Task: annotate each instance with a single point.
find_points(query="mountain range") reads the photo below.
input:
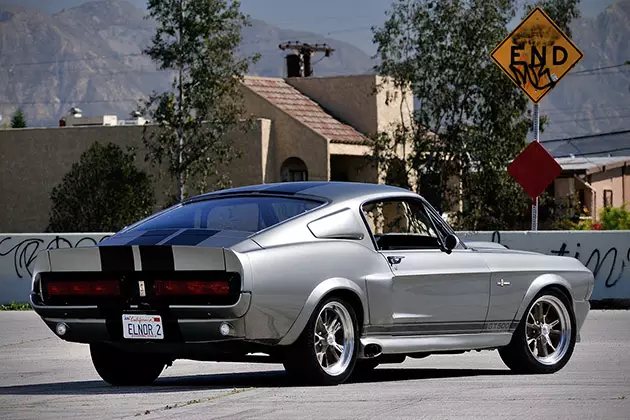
(90, 56)
(66, 53)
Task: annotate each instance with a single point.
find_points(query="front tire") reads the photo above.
(545, 338)
(120, 368)
(326, 351)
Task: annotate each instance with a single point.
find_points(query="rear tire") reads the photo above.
(545, 338)
(326, 351)
(120, 368)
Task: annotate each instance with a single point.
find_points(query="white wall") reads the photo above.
(17, 258)
(606, 253)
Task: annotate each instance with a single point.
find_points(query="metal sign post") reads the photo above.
(537, 140)
(536, 55)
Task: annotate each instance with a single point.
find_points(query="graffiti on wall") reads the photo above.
(606, 254)
(23, 250)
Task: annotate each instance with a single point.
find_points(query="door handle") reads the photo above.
(394, 259)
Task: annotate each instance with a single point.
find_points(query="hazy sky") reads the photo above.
(346, 20)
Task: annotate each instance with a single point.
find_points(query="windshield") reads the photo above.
(250, 214)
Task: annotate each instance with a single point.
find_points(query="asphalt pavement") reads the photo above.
(43, 377)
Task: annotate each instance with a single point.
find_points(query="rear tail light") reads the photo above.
(83, 288)
(182, 287)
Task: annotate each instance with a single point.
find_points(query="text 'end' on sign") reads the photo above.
(536, 55)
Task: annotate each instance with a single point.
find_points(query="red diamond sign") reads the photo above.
(534, 169)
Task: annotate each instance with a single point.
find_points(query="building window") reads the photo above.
(608, 198)
(293, 169)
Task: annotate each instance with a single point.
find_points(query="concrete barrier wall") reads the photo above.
(606, 253)
(17, 258)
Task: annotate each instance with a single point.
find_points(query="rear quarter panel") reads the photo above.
(288, 281)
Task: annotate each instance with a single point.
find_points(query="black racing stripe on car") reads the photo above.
(191, 237)
(116, 258)
(293, 188)
(157, 258)
(428, 328)
(152, 237)
(437, 328)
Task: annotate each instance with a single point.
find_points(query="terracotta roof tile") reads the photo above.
(303, 109)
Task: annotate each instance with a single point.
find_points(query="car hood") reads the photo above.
(493, 247)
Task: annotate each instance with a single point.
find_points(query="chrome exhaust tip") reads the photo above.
(61, 329)
(372, 350)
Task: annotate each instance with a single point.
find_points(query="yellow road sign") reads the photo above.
(536, 55)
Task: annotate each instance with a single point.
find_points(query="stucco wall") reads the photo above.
(289, 138)
(33, 161)
(606, 253)
(352, 100)
(608, 180)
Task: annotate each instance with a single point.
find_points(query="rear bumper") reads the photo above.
(182, 324)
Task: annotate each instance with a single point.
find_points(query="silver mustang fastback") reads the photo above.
(327, 278)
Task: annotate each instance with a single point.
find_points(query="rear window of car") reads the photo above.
(250, 214)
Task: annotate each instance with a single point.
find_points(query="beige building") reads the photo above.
(314, 128)
(598, 181)
(305, 129)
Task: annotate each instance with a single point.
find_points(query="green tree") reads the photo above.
(18, 120)
(471, 120)
(198, 39)
(102, 192)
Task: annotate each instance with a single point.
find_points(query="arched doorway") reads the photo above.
(293, 169)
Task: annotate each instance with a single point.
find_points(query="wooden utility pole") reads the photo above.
(305, 52)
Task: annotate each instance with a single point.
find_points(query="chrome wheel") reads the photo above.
(548, 330)
(334, 338)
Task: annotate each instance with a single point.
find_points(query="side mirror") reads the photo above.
(451, 241)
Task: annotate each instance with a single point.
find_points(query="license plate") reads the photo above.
(146, 327)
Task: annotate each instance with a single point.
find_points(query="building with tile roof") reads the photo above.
(315, 128)
(321, 126)
(600, 181)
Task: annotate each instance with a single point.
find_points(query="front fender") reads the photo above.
(321, 290)
(537, 285)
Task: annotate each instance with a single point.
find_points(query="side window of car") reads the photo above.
(400, 224)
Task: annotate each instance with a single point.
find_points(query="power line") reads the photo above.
(599, 68)
(588, 119)
(619, 149)
(349, 30)
(583, 108)
(590, 136)
(603, 73)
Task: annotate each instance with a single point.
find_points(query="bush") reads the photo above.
(615, 218)
(610, 218)
(16, 306)
(103, 192)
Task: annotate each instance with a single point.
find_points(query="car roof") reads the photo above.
(328, 190)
